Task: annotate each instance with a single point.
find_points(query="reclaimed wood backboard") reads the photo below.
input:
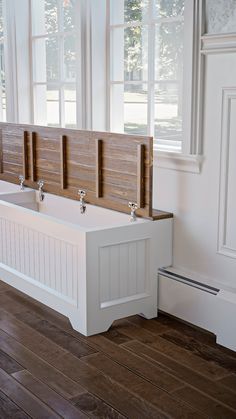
(113, 169)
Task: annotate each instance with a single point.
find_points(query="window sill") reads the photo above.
(191, 163)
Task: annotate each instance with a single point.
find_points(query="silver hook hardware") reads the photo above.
(41, 193)
(133, 207)
(82, 195)
(21, 179)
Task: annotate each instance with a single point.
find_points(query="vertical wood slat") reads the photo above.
(33, 155)
(98, 168)
(25, 155)
(1, 156)
(63, 161)
(140, 176)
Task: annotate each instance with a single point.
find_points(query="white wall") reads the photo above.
(195, 198)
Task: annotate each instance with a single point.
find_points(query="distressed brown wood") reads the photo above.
(132, 371)
(56, 402)
(161, 215)
(9, 410)
(1, 155)
(25, 155)
(63, 162)
(98, 168)
(140, 175)
(25, 400)
(104, 164)
(33, 155)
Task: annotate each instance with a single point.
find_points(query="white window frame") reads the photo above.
(61, 83)
(190, 157)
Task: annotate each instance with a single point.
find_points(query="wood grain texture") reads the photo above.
(63, 161)
(32, 155)
(140, 175)
(105, 165)
(138, 369)
(25, 155)
(98, 168)
(1, 153)
(9, 410)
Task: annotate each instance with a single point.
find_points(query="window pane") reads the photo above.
(69, 14)
(52, 58)
(129, 108)
(70, 58)
(53, 107)
(169, 8)
(1, 21)
(135, 109)
(124, 11)
(169, 51)
(51, 16)
(168, 111)
(70, 106)
(129, 54)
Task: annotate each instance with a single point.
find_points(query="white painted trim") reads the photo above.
(193, 74)
(228, 94)
(177, 161)
(216, 44)
(193, 305)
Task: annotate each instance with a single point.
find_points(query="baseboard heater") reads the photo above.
(190, 282)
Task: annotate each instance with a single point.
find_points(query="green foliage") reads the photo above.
(169, 37)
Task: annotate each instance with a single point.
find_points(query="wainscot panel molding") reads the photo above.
(216, 44)
(205, 205)
(227, 199)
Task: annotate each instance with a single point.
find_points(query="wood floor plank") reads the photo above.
(90, 378)
(3, 287)
(207, 352)
(44, 348)
(9, 410)
(116, 337)
(8, 364)
(207, 368)
(141, 388)
(188, 376)
(210, 407)
(39, 368)
(229, 381)
(56, 402)
(185, 329)
(142, 367)
(96, 408)
(24, 399)
(152, 325)
(57, 335)
(133, 332)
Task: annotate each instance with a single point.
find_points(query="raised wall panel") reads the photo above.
(227, 206)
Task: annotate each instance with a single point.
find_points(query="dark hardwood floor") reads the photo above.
(158, 368)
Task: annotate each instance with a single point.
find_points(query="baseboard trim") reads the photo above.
(207, 307)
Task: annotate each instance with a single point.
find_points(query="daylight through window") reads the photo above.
(146, 68)
(55, 43)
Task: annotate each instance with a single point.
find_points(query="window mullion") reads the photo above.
(151, 71)
(60, 36)
(108, 66)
